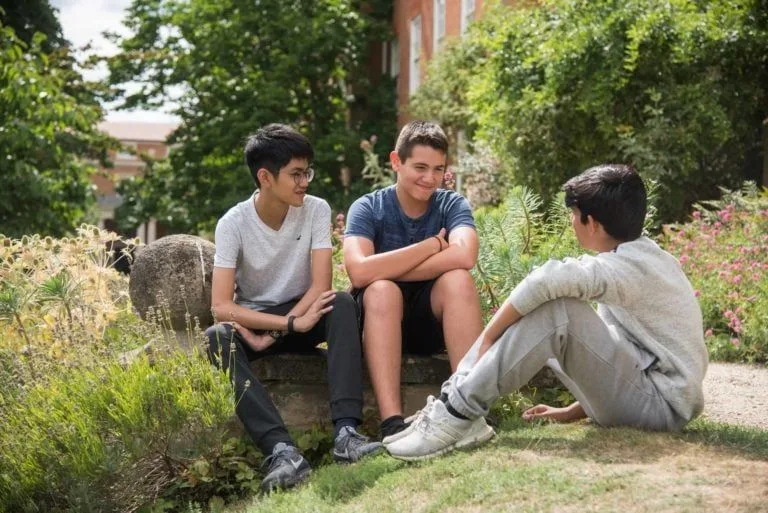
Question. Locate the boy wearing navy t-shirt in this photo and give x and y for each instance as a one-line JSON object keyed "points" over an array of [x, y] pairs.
{"points": [[408, 250]]}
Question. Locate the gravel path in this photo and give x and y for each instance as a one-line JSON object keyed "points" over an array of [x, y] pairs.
{"points": [[737, 394]]}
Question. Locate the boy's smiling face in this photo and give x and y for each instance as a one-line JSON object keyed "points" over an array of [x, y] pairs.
{"points": [[421, 173], [290, 185]]}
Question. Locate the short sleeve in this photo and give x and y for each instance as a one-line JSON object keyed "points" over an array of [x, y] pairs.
{"points": [[459, 213], [360, 219], [227, 240], [321, 226]]}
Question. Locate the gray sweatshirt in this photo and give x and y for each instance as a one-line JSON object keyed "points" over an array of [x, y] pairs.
{"points": [[642, 292]]}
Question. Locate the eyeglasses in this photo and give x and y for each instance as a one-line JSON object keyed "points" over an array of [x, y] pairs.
{"points": [[307, 175]]}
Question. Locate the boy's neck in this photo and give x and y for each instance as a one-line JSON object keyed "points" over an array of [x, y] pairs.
{"points": [[270, 210], [410, 206], [606, 244]]}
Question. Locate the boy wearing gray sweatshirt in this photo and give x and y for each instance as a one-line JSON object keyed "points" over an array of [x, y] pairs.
{"points": [[639, 360]]}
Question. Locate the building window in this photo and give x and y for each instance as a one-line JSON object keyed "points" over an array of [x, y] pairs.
{"points": [[413, 71], [438, 32], [126, 154], [384, 60], [467, 13], [394, 59]]}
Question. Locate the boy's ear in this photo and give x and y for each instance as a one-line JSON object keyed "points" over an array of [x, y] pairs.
{"points": [[394, 159], [594, 225], [265, 177]]}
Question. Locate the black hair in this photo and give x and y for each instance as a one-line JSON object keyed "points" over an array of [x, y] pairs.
{"points": [[272, 148], [423, 133], [614, 195]]}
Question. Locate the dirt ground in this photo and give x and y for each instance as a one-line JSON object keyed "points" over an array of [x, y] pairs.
{"points": [[737, 394]]}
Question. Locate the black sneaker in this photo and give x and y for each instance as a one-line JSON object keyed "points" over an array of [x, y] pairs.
{"points": [[286, 468], [350, 446]]}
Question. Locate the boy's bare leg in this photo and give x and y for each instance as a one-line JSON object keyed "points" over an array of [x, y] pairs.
{"points": [[382, 343], [456, 304]]}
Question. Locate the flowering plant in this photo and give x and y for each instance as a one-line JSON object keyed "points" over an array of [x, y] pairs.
{"points": [[724, 251]]}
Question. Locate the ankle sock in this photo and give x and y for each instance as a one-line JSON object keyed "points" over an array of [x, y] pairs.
{"points": [[444, 399], [392, 425], [343, 422]]}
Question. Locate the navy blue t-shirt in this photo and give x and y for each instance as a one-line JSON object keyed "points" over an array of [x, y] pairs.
{"points": [[377, 216]]}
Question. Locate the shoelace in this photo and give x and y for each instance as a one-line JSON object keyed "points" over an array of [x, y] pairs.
{"points": [[272, 460], [422, 422], [354, 435]]}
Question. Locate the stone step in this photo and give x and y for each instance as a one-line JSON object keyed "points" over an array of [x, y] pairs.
{"points": [[298, 384]]}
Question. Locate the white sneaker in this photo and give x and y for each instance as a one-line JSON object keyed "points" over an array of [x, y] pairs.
{"points": [[437, 432], [411, 421]]}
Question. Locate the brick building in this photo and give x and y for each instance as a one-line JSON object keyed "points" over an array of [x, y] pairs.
{"points": [[142, 139], [421, 28]]}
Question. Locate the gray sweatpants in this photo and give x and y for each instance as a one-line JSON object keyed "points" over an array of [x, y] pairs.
{"points": [[607, 375]]}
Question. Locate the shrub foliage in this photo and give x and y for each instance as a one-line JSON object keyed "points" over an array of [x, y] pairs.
{"points": [[676, 88], [724, 252]]}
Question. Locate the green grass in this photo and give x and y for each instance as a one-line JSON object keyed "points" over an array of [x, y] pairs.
{"points": [[580, 467]]}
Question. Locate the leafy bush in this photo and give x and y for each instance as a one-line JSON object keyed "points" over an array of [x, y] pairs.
{"points": [[88, 421], [108, 437], [724, 252], [515, 237], [675, 88]]}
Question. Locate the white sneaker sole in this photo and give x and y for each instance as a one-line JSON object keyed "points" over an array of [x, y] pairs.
{"points": [[466, 443]]}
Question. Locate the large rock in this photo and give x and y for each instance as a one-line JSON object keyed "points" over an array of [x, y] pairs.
{"points": [[173, 274]]}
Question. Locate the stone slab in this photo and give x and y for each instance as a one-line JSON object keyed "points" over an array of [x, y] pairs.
{"points": [[298, 384]]}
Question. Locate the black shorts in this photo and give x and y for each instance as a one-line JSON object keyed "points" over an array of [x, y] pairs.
{"points": [[422, 332]]}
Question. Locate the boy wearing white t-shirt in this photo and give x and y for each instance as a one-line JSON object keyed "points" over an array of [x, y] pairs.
{"points": [[272, 294]]}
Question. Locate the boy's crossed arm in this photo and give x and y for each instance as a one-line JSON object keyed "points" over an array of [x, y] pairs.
{"points": [[423, 260], [461, 253]]}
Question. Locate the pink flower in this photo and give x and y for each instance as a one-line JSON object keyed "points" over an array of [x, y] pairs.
{"points": [[737, 279], [684, 259], [696, 214], [724, 215], [735, 342], [696, 293], [708, 333]]}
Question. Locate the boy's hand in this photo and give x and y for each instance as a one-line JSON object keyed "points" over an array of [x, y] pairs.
{"points": [[255, 341], [441, 238], [320, 307], [546, 412]]}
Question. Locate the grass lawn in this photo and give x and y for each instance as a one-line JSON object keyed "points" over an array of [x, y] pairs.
{"points": [[563, 468]]}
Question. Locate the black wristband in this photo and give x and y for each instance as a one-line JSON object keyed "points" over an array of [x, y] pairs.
{"points": [[439, 242], [290, 323]]}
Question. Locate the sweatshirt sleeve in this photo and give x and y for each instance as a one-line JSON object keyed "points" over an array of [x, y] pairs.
{"points": [[587, 278]]}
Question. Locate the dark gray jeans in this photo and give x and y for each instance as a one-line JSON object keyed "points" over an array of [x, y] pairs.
{"points": [[256, 410]]}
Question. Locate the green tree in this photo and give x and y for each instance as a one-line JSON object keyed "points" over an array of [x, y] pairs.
{"points": [[48, 138], [29, 17], [677, 88], [231, 66]]}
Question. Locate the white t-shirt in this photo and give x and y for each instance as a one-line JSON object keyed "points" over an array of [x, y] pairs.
{"points": [[272, 267]]}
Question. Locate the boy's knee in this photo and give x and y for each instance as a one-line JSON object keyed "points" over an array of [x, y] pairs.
{"points": [[382, 296], [219, 335], [457, 280], [344, 301]]}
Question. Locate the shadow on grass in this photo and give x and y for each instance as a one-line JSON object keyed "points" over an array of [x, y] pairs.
{"points": [[621, 444], [342, 483]]}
